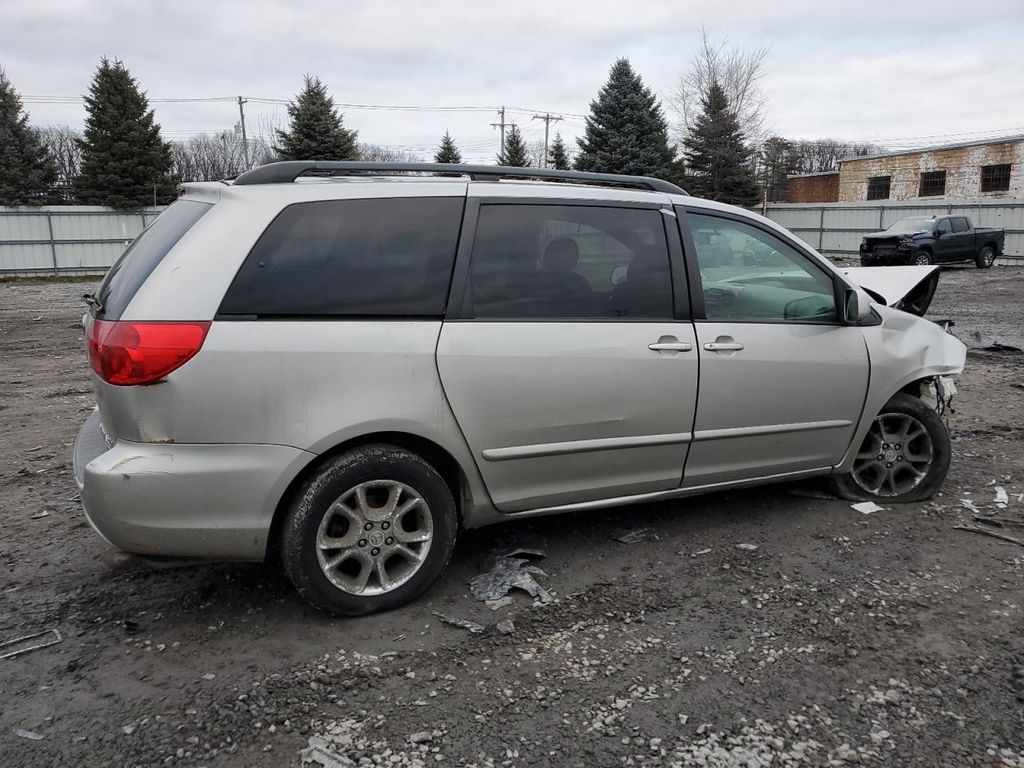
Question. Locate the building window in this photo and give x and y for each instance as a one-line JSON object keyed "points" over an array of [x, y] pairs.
{"points": [[933, 184], [995, 178], [878, 187]]}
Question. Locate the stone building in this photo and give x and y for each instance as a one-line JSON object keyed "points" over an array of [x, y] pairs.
{"points": [[976, 170]]}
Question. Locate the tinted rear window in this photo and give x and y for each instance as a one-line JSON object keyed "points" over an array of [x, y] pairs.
{"points": [[129, 272], [381, 257]]}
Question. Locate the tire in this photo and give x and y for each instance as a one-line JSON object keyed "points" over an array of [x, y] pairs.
{"points": [[921, 259], [898, 477], [986, 257], [376, 571]]}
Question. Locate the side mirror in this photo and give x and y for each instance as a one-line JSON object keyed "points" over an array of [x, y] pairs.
{"points": [[857, 307], [619, 274]]}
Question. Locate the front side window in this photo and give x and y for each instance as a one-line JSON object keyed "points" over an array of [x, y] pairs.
{"points": [[944, 227], [388, 257], [751, 275], [569, 262], [933, 184], [960, 224]]}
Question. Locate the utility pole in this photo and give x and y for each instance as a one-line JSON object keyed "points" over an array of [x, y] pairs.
{"points": [[548, 119], [245, 141], [501, 126]]}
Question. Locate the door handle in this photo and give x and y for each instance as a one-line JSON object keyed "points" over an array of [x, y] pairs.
{"points": [[670, 346], [723, 346]]}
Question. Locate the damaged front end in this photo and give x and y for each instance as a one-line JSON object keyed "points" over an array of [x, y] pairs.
{"points": [[910, 289]]}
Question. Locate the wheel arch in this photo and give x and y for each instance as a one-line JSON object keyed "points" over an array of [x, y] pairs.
{"points": [[430, 451]]}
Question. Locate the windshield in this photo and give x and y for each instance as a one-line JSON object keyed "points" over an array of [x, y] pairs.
{"points": [[913, 224]]}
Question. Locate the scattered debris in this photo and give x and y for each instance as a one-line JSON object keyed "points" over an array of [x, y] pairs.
{"points": [[993, 534], [421, 737], [33, 450], [867, 507], [37, 319], [496, 605], [810, 493], [39, 515], [506, 627], [635, 536], [969, 505], [25, 644], [318, 752], [510, 572], [472, 626], [1000, 347], [209, 676], [701, 552], [1002, 499], [26, 734], [747, 547], [131, 626]]}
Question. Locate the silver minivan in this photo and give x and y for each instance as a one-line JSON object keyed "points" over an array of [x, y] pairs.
{"points": [[344, 364]]}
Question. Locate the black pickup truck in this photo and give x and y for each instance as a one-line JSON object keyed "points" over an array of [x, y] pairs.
{"points": [[935, 240]]}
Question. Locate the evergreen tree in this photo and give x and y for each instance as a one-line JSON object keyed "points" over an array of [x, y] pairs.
{"points": [[558, 155], [515, 155], [27, 172], [316, 129], [448, 152], [125, 163], [777, 159], [717, 160], [626, 131]]}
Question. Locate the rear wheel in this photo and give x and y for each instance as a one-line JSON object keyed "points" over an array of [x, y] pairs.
{"points": [[904, 456], [371, 530], [986, 257], [922, 259]]}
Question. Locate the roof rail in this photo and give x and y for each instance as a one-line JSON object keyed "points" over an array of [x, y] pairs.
{"points": [[289, 170]]}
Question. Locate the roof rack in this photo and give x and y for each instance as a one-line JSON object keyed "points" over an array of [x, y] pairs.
{"points": [[289, 170]]}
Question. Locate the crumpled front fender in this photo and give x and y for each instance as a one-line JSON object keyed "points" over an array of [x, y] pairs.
{"points": [[901, 350]]}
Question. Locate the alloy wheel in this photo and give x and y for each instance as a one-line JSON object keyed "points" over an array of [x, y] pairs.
{"points": [[895, 456], [374, 537]]}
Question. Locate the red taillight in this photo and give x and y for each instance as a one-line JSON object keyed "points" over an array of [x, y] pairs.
{"points": [[127, 353]]}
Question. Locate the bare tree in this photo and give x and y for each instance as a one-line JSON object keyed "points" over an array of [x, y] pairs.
{"points": [[375, 153], [215, 156], [823, 155], [738, 70], [62, 145]]}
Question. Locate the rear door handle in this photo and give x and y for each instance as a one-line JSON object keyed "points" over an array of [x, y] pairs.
{"points": [[723, 346], [670, 346]]}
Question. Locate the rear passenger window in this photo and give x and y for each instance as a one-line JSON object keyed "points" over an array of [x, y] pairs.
{"points": [[342, 258], [560, 262], [960, 224], [129, 272]]}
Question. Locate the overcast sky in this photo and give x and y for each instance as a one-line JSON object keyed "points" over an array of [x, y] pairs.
{"points": [[890, 71]]}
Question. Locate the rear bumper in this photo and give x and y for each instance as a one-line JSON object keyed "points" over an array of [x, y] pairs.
{"points": [[175, 500]]}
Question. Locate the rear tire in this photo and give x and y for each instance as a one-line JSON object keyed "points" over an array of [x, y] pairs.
{"points": [[371, 530], [986, 257], [904, 457]]}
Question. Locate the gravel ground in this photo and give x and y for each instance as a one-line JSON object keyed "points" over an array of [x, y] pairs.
{"points": [[836, 639]]}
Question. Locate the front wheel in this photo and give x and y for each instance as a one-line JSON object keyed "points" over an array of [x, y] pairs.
{"points": [[904, 456], [922, 259], [986, 257], [371, 530]]}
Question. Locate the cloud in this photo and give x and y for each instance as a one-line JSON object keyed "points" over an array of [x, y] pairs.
{"points": [[858, 70]]}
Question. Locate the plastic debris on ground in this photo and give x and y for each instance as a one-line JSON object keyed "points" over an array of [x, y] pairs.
{"points": [[746, 547], [472, 626], [26, 734], [635, 536], [506, 627], [969, 505], [867, 507], [507, 572], [1002, 499], [26, 643], [497, 605]]}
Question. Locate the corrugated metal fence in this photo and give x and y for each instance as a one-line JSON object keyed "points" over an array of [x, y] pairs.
{"points": [[88, 239], [836, 229], [66, 239]]}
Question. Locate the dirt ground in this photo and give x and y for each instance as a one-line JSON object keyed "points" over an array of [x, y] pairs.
{"points": [[888, 639]]}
